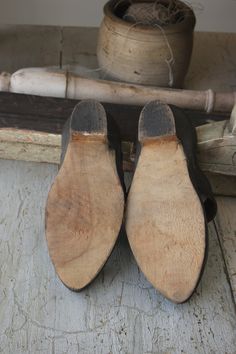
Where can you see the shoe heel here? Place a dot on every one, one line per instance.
(88, 121)
(88, 118)
(156, 120)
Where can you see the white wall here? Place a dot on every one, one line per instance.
(212, 15)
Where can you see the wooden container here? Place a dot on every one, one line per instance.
(144, 54)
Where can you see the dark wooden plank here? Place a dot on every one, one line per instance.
(49, 114)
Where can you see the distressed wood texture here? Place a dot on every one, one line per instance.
(73, 45)
(226, 228)
(89, 200)
(217, 146)
(47, 115)
(79, 46)
(29, 46)
(24, 145)
(119, 313)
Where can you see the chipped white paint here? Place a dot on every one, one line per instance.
(217, 148)
(28, 145)
(226, 226)
(232, 123)
(119, 313)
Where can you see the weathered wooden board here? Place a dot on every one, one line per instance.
(222, 184)
(28, 119)
(226, 228)
(27, 46)
(217, 146)
(68, 45)
(30, 128)
(213, 62)
(28, 145)
(36, 146)
(49, 114)
(119, 313)
(79, 45)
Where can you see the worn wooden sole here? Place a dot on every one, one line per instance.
(165, 220)
(85, 204)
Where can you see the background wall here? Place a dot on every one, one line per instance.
(212, 15)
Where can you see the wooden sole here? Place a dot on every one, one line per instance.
(85, 204)
(165, 220)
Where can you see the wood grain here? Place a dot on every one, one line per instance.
(167, 236)
(226, 229)
(119, 313)
(85, 205)
(217, 148)
(84, 213)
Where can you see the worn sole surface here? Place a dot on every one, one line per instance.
(165, 221)
(85, 204)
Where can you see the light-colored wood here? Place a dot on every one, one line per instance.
(61, 83)
(120, 312)
(84, 211)
(147, 55)
(217, 148)
(203, 70)
(35, 146)
(232, 122)
(226, 228)
(165, 222)
(28, 145)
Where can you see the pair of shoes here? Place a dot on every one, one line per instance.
(167, 208)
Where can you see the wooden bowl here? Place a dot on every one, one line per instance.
(144, 54)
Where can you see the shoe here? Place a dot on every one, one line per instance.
(169, 203)
(85, 205)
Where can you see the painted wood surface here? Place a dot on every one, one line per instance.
(67, 45)
(217, 146)
(23, 46)
(30, 145)
(226, 228)
(119, 313)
